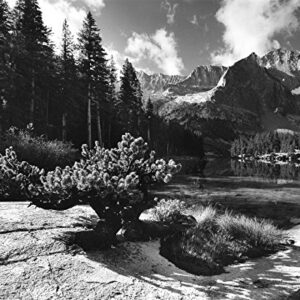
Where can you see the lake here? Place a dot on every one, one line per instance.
(252, 188)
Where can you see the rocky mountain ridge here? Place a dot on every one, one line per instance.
(202, 78)
(283, 65)
(156, 83)
(254, 94)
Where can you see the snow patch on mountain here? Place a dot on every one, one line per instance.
(222, 81)
(296, 91)
(195, 98)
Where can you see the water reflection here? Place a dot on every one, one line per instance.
(251, 188)
(255, 168)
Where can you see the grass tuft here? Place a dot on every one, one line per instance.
(257, 233)
(226, 235)
(220, 239)
(203, 214)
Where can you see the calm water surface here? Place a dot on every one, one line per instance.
(254, 188)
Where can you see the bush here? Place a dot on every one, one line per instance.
(252, 232)
(37, 150)
(114, 182)
(16, 176)
(168, 210)
(257, 233)
(220, 239)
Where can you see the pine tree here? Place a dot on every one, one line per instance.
(149, 116)
(111, 98)
(5, 57)
(112, 78)
(67, 78)
(35, 59)
(130, 99)
(94, 70)
(4, 19)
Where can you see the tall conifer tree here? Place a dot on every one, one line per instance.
(5, 58)
(130, 99)
(94, 70)
(149, 116)
(67, 78)
(35, 59)
(111, 98)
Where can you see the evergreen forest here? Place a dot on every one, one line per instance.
(73, 93)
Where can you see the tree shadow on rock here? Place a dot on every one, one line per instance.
(254, 279)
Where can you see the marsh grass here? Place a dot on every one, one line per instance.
(256, 232)
(223, 238)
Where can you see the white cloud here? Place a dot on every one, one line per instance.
(200, 21)
(119, 60)
(118, 57)
(148, 71)
(94, 4)
(55, 11)
(171, 10)
(289, 45)
(251, 25)
(61, 10)
(205, 28)
(194, 20)
(275, 44)
(160, 48)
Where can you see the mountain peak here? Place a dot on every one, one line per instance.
(283, 60)
(156, 83)
(253, 57)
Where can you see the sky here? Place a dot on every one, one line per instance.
(175, 36)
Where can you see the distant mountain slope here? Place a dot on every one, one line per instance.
(254, 94)
(286, 61)
(284, 65)
(203, 78)
(248, 85)
(156, 83)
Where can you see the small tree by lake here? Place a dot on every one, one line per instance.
(114, 182)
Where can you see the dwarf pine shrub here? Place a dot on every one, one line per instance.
(16, 176)
(115, 182)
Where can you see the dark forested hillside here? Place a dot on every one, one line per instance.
(70, 94)
(266, 142)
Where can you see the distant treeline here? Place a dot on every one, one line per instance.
(266, 142)
(71, 94)
(256, 168)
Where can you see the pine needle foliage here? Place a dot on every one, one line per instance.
(16, 176)
(115, 182)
